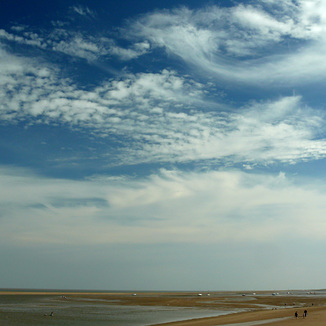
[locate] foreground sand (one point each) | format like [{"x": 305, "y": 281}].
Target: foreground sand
[
  {"x": 316, "y": 317},
  {"x": 259, "y": 307},
  {"x": 278, "y": 311}
]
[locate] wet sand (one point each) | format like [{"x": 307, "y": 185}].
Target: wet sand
[
  {"x": 316, "y": 317},
  {"x": 248, "y": 309}
]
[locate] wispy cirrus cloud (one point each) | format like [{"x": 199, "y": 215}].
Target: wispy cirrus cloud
[{"x": 264, "y": 42}]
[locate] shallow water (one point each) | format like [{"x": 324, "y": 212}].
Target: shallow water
[{"x": 35, "y": 310}]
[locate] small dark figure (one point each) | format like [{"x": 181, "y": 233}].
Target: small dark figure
[
  {"x": 51, "y": 314},
  {"x": 305, "y": 313},
  {"x": 296, "y": 314}
]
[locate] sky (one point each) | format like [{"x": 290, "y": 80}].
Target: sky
[{"x": 163, "y": 145}]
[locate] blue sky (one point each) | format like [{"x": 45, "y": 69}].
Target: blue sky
[{"x": 163, "y": 145}]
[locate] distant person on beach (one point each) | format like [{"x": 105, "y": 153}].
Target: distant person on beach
[
  {"x": 305, "y": 313},
  {"x": 296, "y": 314}
]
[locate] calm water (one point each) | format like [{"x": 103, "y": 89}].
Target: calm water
[{"x": 35, "y": 310}]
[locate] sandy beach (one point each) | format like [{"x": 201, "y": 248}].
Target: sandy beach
[
  {"x": 240, "y": 309},
  {"x": 316, "y": 317},
  {"x": 278, "y": 310}
]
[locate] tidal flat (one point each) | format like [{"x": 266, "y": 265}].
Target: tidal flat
[{"x": 151, "y": 308}]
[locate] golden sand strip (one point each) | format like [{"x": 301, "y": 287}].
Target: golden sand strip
[{"x": 280, "y": 317}]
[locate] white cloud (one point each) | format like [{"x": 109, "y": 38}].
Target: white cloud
[
  {"x": 257, "y": 19},
  {"x": 28, "y": 38},
  {"x": 80, "y": 47},
  {"x": 42, "y": 94},
  {"x": 18, "y": 28},
  {"x": 172, "y": 206},
  {"x": 83, "y": 11},
  {"x": 166, "y": 117},
  {"x": 265, "y": 43},
  {"x": 59, "y": 40},
  {"x": 161, "y": 115},
  {"x": 135, "y": 51},
  {"x": 283, "y": 130},
  {"x": 75, "y": 44}
]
